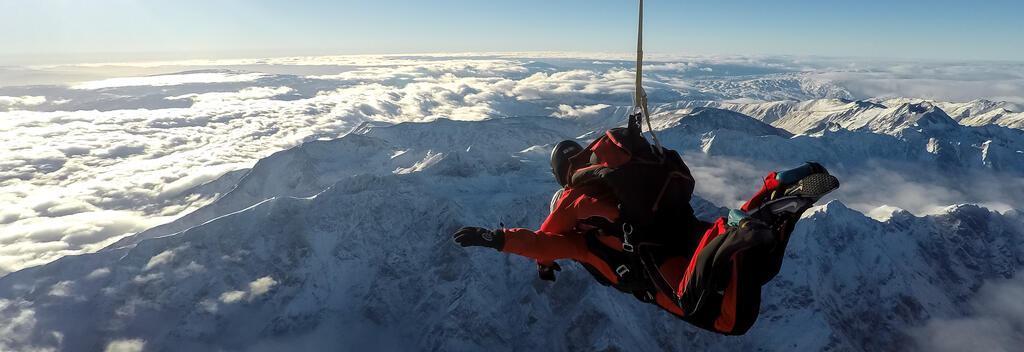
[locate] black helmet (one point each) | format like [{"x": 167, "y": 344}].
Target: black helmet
[{"x": 560, "y": 159}]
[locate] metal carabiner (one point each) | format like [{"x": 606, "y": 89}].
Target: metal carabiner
[{"x": 627, "y": 230}]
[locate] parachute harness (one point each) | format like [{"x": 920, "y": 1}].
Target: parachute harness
[{"x": 639, "y": 95}]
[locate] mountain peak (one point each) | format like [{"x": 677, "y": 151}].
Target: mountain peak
[{"x": 707, "y": 119}]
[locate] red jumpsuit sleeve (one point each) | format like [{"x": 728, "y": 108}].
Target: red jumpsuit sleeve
[
  {"x": 575, "y": 206},
  {"x": 556, "y": 238},
  {"x": 544, "y": 247}
]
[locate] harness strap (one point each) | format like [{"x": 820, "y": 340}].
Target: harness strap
[
  {"x": 630, "y": 274},
  {"x": 646, "y": 257},
  {"x": 639, "y": 95},
  {"x": 617, "y": 229},
  {"x": 640, "y": 254}
]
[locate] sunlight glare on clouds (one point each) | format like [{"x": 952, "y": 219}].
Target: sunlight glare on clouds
[
  {"x": 128, "y": 345},
  {"x": 232, "y": 296},
  {"x": 112, "y": 173},
  {"x": 26, "y": 100},
  {"x": 566, "y": 111},
  {"x": 250, "y": 93},
  {"x": 261, "y": 286},
  {"x": 169, "y": 80}
]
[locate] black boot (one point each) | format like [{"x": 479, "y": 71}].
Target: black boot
[{"x": 792, "y": 200}]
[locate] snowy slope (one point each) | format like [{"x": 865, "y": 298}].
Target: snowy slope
[
  {"x": 854, "y": 130},
  {"x": 877, "y": 115},
  {"x": 983, "y": 112},
  {"x": 346, "y": 242},
  {"x": 403, "y": 148},
  {"x": 815, "y": 115}
]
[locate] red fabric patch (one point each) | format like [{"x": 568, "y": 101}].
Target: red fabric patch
[
  {"x": 727, "y": 321},
  {"x": 662, "y": 300},
  {"x": 557, "y": 238},
  {"x": 611, "y": 241},
  {"x": 608, "y": 152},
  {"x": 672, "y": 270},
  {"x": 717, "y": 229},
  {"x": 601, "y": 266},
  {"x": 770, "y": 184}
]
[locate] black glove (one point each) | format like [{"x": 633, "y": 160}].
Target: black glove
[
  {"x": 479, "y": 236},
  {"x": 548, "y": 272}
]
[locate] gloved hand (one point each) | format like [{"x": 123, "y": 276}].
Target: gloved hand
[
  {"x": 479, "y": 236},
  {"x": 548, "y": 272}
]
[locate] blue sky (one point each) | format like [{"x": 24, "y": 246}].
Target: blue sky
[{"x": 937, "y": 29}]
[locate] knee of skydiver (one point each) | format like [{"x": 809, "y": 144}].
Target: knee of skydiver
[
  {"x": 753, "y": 237},
  {"x": 763, "y": 258}
]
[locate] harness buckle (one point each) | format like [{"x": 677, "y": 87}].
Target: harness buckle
[
  {"x": 622, "y": 270},
  {"x": 627, "y": 230}
]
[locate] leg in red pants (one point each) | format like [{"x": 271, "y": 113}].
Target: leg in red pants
[{"x": 721, "y": 289}]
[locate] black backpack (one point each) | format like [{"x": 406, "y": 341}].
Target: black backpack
[{"x": 653, "y": 188}]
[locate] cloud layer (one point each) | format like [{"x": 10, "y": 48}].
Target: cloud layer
[{"x": 996, "y": 322}]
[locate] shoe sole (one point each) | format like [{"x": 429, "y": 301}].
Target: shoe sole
[
  {"x": 798, "y": 198},
  {"x": 814, "y": 186}
]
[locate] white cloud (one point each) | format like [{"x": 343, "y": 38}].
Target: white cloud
[
  {"x": 956, "y": 82},
  {"x": 22, "y": 101},
  {"x": 573, "y": 84},
  {"x": 995, "y": 324},
  {"x": 127, "y": 345},
  {"x": 670, "y": 66},
  {"x": 144, "y": 279},
  {"x": 98, "y": 273},
  {"x": 261, "y": 286},
  {"x": 40, "y": 236},
  {"x": 160, "y": 259},
  {"x": 883, "y": 213},
  {"x": 723, "y": 181},
  {"x": 197, "y": 177},
  {"x": 232, "y": 296},
  {"x": 256, "y": 288},
  {"x": 207, "y": 306},
  {"x": 169, "y": 80},
  {"x": 873, "y": 187},
  {"x": 62, "y": 289},
  {"x": 218, "y": 99},
  {"x": 189, "y": 269},
  {"x": 17, "y": 324},
  {"x": 566, "y": 111}
]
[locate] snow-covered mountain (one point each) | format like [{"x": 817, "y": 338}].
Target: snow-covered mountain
[
  {"x": 984, "y": 112},
  {"x": 922, "y": 131},
  {"x": 346, "y": 242},
  {"x": 878, "y": 115}
]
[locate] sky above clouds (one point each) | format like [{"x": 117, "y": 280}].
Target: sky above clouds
[{"x": 46, "y": 31}]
